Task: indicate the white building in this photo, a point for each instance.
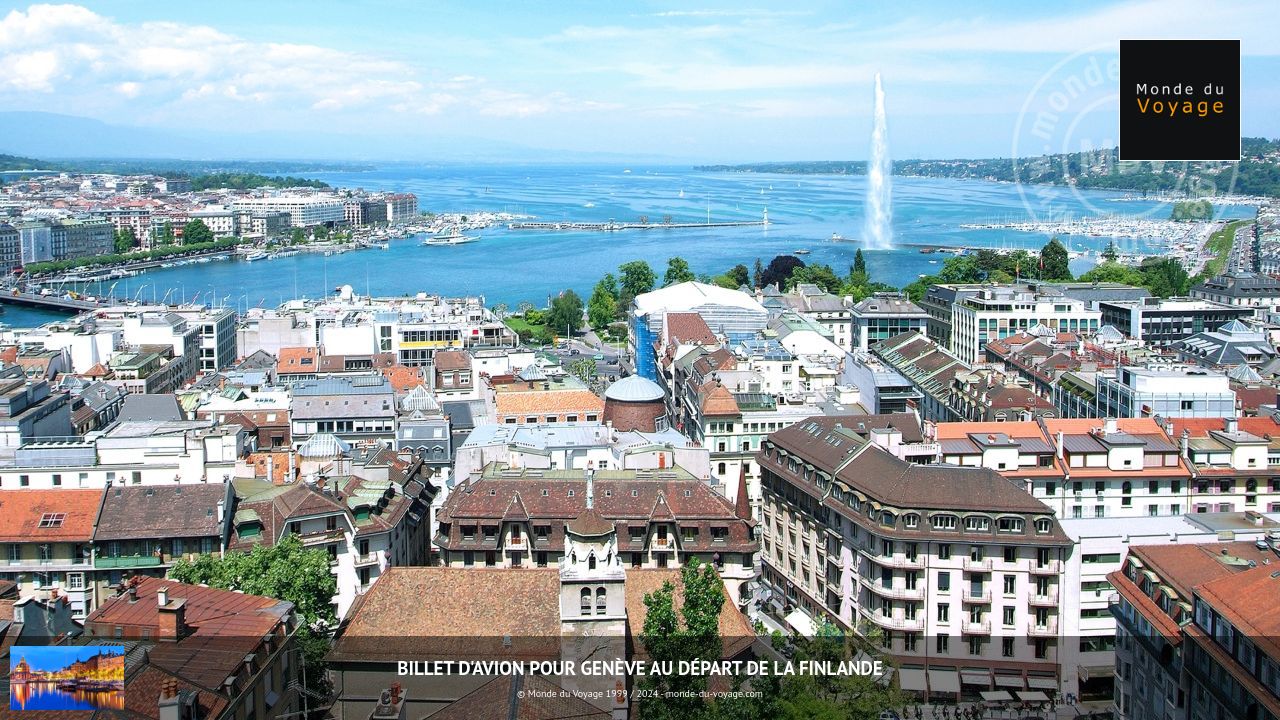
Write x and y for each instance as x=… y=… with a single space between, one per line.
x=997 y=312
x=222 y=222
x=1164 y=390
x=304 y=210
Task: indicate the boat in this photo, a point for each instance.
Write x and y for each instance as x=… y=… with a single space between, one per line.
x=802 y=252
x=928 y=250
x=451 y=238
x=255 y=255
x=589 y=205
x=836 y=237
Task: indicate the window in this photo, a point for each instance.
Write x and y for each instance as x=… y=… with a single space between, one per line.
x=1006 y=647
x=57 y=480
x=1011 y=525
x=942 y=644
x=601 y=602
x=1008 y=616
x=24 y=481
x=1010 y=554
x=944 y=581
x=944 y=613
x=51 y=520
x=585 y=602
x=490 y=558
x=944 y=551
x=1010 y=584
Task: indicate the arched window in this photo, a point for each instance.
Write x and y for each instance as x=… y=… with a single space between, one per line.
x=586 y=601
x=1251 y=485
x=591 y=561
x=600 y=601
x=1126 y=488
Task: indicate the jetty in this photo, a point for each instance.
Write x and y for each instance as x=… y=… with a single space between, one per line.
x=53 y=302
x=614 y=226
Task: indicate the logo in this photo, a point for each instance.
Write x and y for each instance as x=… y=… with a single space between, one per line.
x=1180 y=100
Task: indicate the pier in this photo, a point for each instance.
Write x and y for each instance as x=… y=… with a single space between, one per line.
x=612 y=226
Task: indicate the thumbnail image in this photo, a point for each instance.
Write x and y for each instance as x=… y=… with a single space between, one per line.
x=66 y=678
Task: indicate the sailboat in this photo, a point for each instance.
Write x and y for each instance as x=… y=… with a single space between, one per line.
x=681 y=192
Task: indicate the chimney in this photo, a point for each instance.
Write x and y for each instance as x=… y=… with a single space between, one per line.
x=1110 y=426
x=391 y=704
x=175 y=704
x=133 y=595
x=1185 y=443
x=1058 y=450
x=162 y=595
x=591 y=485
x=173 y=620
x=222 y=510
x=1232 y=424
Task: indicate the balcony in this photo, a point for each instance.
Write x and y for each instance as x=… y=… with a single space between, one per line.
x=1052 y=567
x=897 y=623
x=367 y=559
x=663 y=544
x=977 y=596
x=517 y=543
x=1048 y=628
x=894 y=561
x=972 y=565
x=50 y=564
x=324 y=537
x=896 y=593
x=128 y=561
x=976 y=628
x=1043 y=600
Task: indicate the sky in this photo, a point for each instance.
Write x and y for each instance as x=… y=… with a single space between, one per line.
x=49 y=658
x=688 y=80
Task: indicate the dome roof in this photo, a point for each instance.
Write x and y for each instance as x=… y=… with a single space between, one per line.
x=323 y=445
x=634 y=389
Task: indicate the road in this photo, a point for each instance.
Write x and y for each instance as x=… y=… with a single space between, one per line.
x=608 y=366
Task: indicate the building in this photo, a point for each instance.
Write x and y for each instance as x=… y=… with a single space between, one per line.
x=1195 y=629
x=1260 y=293
x=958 y=568
x=1229 y=346
x=48 y=543
x=929 y=368
x=724 y=311
x=222 y=222
x=828 y=310
x=10 y=248
x=304 y=210
x=1235 y=463
x=881 y=389
x=451 y=374
x=352 y=408
x=30 y=410
x=1164 y=390
x=531 y=397
x=401 y=207
x=997 y=312
x=635 y=403
x=65 y=239
x=517 y=517
x=209 y=653
x=264 y=223
x=882 y=316
x=1164 y=321
x=366 y=523
x=133 y=216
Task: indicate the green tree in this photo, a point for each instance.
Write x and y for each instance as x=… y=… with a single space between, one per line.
x=1054 y=261
x=677 y=272
x=196 y=232
x=286 y=571
x=584 y=368
x=602 y=308
x=859 y=262
x=779 y=271
x=809 y=695
x=565 y=313
x=125 y=241
x=1111 y=254
x=166 y=235
x=297 y=236
x=501 y=310
x=757 y=274
x=321 y=232
x=821 y=275
x=739 y=275
x=667 y=639
x=1165 y=277
x=637 y=278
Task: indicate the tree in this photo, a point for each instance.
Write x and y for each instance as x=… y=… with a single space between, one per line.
x=321 y=232
x=297 y=236
x=1110 y=254
x=1165 y=277
x=1054 y=261
x=602 y=308
x=739 y=275
x=821 y=275
x=757 y=274
x=1113 y=272
x=286 y=571
x=501 y=310
x=677 y=272
x=565 y=313
x=196 y=232
x=166 y=235
x=125 y=241
x=807 y=695
x=666 y=639
x=637 y=278
x=859 y=262
x=584 y=368
x=779 y=271
x=523 y=308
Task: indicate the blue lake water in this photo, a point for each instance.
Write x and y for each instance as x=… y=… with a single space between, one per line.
x=514 y=265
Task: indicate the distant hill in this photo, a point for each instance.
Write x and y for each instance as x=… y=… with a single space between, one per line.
x=15 y=162
x=1259 y=170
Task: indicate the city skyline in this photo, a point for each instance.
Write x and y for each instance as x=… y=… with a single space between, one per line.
x=711 y=82
x=52 y=658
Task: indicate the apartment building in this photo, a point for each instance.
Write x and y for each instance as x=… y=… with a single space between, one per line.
x=48 y=543
x=930 y=368
x=882 y=316
x=304 y=210
x=30 y=410
x=1255 y=291
x=996 y=312
x=1235 y=463
x=1163 y=321
x=401 y=207
x=815 y=304
x=517 y=517
x=957 y=567
x=1195 y=629
x=352 y=408
x=10 y=248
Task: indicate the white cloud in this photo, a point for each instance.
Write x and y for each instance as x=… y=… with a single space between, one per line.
x=129 y=89
x=29 y=71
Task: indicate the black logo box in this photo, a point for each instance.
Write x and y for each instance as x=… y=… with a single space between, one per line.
x=1180 y=65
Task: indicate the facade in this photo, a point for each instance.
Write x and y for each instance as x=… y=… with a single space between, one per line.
x=723 y=311
x=30 y=410
x=1164 y=321
x=222 y=222
x=10 y=248
x=957 y=567
x=1260 y=293
x=518 y=517
x=352 y=408
x=401 y=207
x=881 y=388
x=882 y=316
x=1164 y=390
x=1235 y=463
x=1195 y=629
x=930 y=368
x=304 y=210
x=997 y=312
x=829 y=311
x=65 y=239
x=48 y=540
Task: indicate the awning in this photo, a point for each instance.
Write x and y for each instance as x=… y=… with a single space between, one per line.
x=996 y=696
x=1009 y=681
x=944 y=681
x=1033 y=696
x=1044 y=683
x=801 y=623
x=911 y=678
x=975 y=677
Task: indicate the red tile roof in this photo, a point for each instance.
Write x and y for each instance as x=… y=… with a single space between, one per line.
x=1200 y=427
x=685 y=328
x=60 y=515
x=452 y=360
x=298 y=360
x=402 y=378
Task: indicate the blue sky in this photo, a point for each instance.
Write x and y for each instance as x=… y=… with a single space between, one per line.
x=51 y=657
x=688 y=80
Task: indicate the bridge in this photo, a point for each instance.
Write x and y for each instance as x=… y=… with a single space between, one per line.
x=51 y=302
